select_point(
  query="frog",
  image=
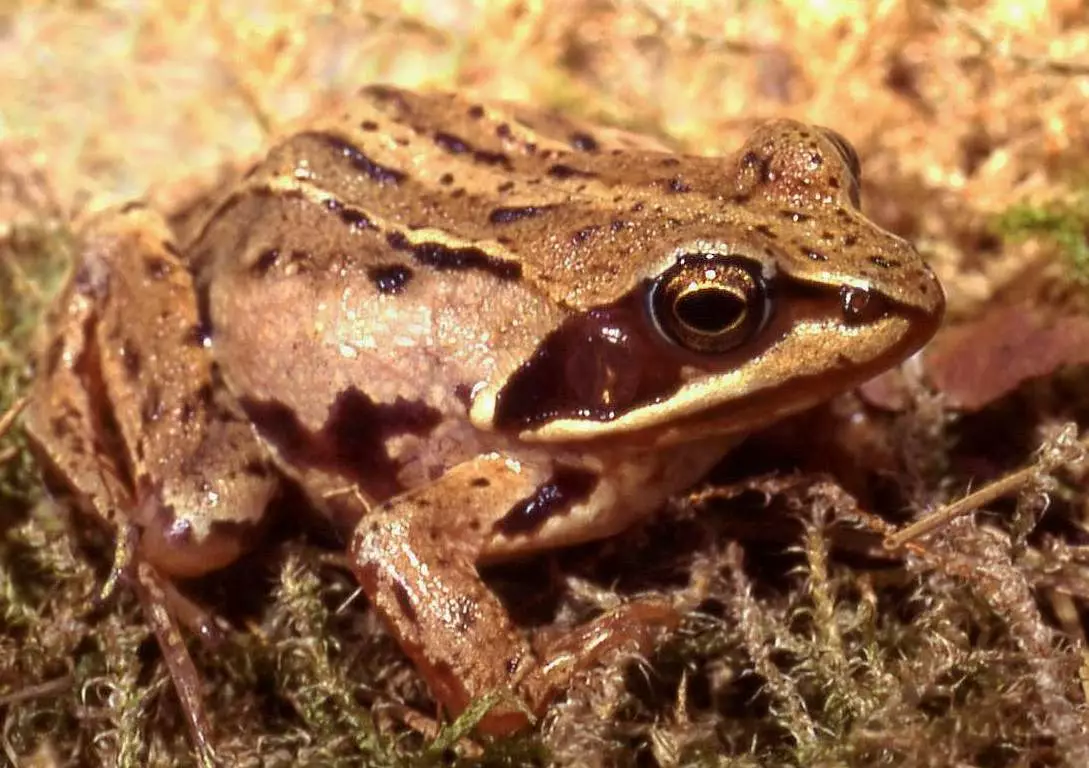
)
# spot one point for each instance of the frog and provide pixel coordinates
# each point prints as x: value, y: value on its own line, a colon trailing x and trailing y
x: 470, y: 332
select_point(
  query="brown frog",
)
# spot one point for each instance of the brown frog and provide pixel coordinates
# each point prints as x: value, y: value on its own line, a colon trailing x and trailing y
x: 468, y: 332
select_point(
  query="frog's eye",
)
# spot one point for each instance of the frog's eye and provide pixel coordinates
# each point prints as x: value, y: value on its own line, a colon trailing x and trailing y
x: 709, y: 302
x: 846, y: 150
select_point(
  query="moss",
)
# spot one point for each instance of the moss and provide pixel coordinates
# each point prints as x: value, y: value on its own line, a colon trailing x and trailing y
x: 1064, y: 225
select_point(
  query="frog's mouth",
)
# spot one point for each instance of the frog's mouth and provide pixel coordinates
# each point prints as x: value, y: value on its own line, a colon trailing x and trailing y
x: 611, y: 372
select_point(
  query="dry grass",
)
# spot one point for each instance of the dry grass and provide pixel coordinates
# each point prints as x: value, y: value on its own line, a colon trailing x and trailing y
x: 807, y: 644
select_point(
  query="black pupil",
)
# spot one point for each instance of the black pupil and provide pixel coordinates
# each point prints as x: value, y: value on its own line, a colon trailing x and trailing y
x: 710, y: 310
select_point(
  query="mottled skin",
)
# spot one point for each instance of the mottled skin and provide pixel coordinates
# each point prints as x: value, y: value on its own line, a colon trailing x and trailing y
x: 468, y: 333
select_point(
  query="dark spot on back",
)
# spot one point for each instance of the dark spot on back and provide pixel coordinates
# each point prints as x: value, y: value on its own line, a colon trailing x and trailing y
x: 369, y: 125
x: 583, y: 142
x: 354, y: 155
x: 266, y: 261
x: 762, y: 165
x: 503, y: 131
x: 152, y: 407
x: 584, y: 234
x: 487, y: 157
x: 404, y: 602
x: 156, y: 268
x: 53, y: 356
x: 562, y: 171
x: 678, y: 185
x: 256, y: 469
x: 766, y: 231
x: 795, y: 216
x: 354, y: 218
x: 508, y: 215
x: 196, y: 335
x: 442, y: 257
x: 464, y: 395
x: 452, y: 144
x: 446, y: 179
x: 480, y: 482
x: 390, y: 278
x: 132, y: 358
x: 884, y: 263
x: 476, y: 112
x: 814, y: 255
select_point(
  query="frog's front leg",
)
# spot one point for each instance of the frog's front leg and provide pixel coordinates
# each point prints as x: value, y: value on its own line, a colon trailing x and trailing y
x: 416, y: 557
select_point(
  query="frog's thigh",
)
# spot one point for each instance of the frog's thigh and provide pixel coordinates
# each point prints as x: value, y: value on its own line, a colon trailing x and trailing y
x: 131, y: 377
x: 416, y: 556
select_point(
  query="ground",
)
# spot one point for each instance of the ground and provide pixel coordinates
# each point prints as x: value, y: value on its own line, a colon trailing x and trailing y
x: 821, y: 630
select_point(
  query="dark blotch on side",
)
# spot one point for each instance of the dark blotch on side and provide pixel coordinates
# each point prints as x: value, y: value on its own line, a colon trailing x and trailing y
x: 352, y: 442
x: 566, y: 487
x: 390, y: 278
x: 884, y: 263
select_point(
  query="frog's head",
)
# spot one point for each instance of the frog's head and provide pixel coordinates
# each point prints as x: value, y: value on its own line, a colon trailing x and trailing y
x: 776, y: 294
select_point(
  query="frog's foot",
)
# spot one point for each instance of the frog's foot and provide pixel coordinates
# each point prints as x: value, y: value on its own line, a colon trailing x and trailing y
x: 416, y: 556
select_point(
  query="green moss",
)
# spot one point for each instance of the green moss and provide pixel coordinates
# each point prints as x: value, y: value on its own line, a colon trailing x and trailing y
x: 1062, y: 224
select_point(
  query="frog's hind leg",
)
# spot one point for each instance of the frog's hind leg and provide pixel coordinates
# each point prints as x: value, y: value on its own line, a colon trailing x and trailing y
x: 416, y: 557
x: 124, y: 418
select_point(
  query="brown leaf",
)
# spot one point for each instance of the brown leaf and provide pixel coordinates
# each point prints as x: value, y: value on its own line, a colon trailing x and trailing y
x: 976, y: 363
